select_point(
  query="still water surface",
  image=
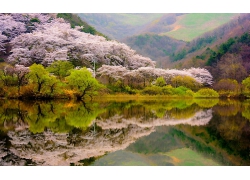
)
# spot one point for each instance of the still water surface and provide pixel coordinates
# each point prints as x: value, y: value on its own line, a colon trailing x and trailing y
x: 152, y: 133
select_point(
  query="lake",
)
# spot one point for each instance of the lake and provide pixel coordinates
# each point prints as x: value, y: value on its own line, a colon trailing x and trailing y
x: 191, y: 132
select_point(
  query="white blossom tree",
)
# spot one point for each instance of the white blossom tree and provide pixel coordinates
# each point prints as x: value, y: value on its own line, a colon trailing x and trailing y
x: 146, y: 75
x: 56, y: 40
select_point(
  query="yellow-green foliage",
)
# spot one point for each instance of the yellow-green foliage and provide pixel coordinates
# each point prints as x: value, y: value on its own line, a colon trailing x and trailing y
x: 246, y: 87
x: 152, y: 90
x: 228, y: 88
x: 206, y: 93
x: 83, y: 83
x: 185, y: 81
x: 246, y: 111
x: 160, y: 81
x: 206, y: 103
x: 168, y: 91
x: 27, y: 90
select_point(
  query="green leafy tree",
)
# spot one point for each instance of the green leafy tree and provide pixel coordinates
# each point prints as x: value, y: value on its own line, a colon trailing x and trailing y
x: 7, y: 75
x: 39, y: 76
x: 53, y: 86
x: 60, y: 68
x: 83, y: 83
x: 227, y: 88
x: 206, y: 92
x: 152, y: 90
x: 246, y: 86
x: 160, y: 81
x: 185, y: 81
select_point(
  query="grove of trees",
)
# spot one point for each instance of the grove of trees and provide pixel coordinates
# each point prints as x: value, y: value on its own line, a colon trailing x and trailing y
x: 47, y: 56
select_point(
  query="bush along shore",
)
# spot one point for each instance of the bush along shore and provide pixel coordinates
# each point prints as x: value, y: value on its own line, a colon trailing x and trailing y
x: 61, y: 80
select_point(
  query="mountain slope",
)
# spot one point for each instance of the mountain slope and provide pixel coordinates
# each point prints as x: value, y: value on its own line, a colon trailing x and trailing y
x: 117, y: 25
x: 52, y: 39
x: 75, y: 20
x: 153, y: 45
x: 179, y: 26
x: 189, y: 26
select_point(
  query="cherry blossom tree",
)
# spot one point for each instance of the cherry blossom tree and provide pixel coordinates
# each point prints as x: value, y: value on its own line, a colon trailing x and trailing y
x: 2, y: 40
x: 202, y: 75
x: 147, y: 75
x: 56, y: 40
x: 9, y: 27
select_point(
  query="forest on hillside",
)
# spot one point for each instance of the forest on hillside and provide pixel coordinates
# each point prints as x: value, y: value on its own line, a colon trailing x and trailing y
x: 60, y: 56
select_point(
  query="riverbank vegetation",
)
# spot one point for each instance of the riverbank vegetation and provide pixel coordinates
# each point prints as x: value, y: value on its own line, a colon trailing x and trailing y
x: 57, y: 59
x: 61, y: 80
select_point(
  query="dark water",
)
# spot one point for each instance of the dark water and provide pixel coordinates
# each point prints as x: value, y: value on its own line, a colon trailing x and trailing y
x: 152, y: 133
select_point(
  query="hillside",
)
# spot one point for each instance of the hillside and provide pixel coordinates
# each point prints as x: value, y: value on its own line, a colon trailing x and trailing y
x: 189, y: 26
x: 119, y: 26
x: 190, y: 54
x: 42, y: 38
x: 184, y: 27
x: 226, y: 55
x: 75, y: 20
x: 154, y: 46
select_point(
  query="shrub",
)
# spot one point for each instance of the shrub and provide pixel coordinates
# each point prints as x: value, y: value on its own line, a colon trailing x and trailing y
x: 28, y: 90
x: 180, y: 91
x: 35, y: 20
x: 246, y: 87
x: 160, y: 81
x: 206, y: 92
x: 186, y: 81
x: 168, y: 90
x: 227, y: 88
x: 130, y: 90
x: 152, y: 90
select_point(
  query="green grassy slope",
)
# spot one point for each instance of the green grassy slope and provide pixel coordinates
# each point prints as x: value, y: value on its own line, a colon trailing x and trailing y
x: 190, y: 26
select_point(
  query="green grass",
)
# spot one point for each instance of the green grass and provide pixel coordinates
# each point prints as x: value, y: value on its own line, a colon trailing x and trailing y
x: 195, y: 24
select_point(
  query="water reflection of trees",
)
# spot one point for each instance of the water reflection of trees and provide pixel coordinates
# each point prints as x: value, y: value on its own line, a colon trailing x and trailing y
x: 60, y: 133
x: 39, y: 116
x: 149, y: 110
x: 226, y: 137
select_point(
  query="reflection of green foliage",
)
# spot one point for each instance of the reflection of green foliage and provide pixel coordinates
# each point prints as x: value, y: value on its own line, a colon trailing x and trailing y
x: 206, y: 103
x: 56, y: 116
x: 246, y: 114
x: 160, y: 112
x: 246, y: 109
x: 82, y: 116
x: 228, y: 107
x: 44, y: 115
x: 188, y: 112
x: 175, y: 108
x: 246, y: 86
